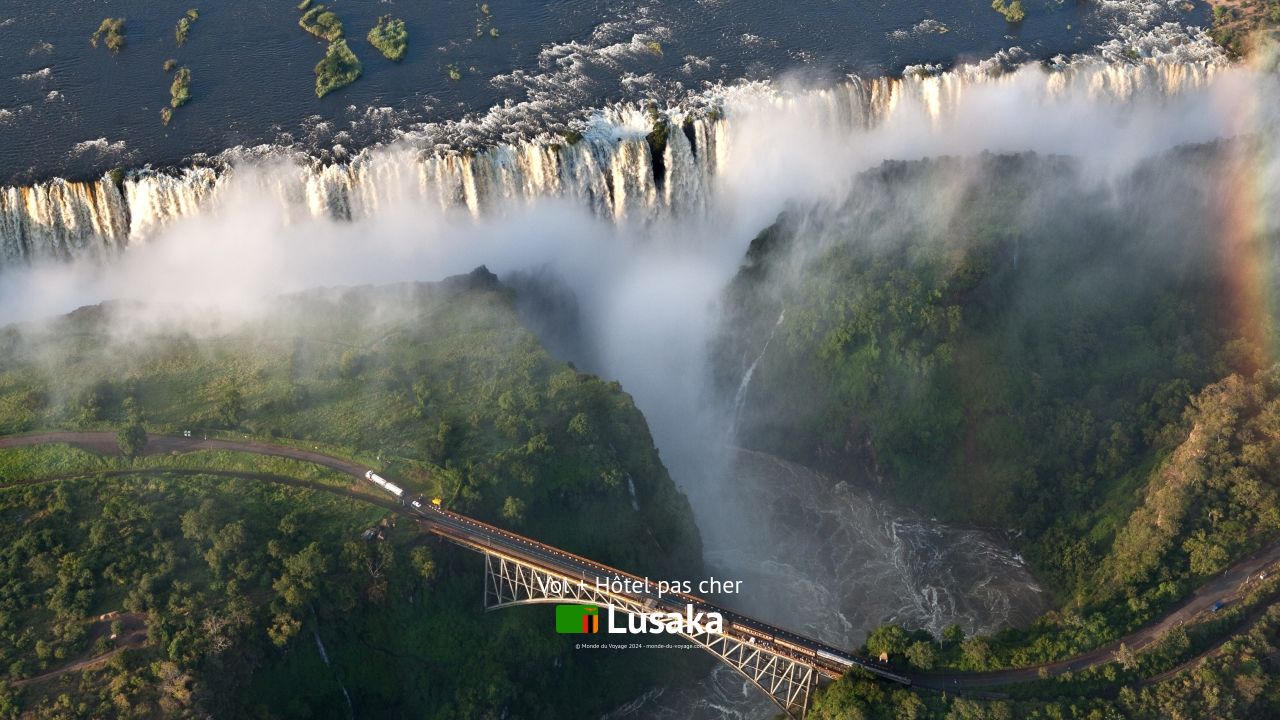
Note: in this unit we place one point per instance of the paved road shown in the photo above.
(473, 533)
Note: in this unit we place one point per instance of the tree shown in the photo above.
(1126, 657)
(580, 427)
(953, 634)
(423, 562)
(132, 439)
(890, 639)
(922, 654)
(513, 510)
(349, 364)
(301, 578)
(977, 653)
(94, 403)
(283, 628)
(231, 407)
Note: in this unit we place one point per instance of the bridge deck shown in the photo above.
(477, 535)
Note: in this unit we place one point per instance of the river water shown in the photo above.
(830, 560)
(67, 108)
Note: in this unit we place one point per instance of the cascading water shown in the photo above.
(324, 655)
(832, 561)
(611, 169)
(740, 398)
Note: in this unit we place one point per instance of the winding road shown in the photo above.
(1225, 587)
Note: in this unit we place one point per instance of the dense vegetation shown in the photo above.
(322, 23)
(390, 37)
(182, 30)
(226, 587)
(1012, 11)
(1004, 342)
(1239, 26)
(1239, 681)
(180, 88)
(111, 32)
(337, 69)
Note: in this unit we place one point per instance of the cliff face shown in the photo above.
(1001, 339)
(1214, 497)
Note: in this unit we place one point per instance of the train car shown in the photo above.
(834, 658)
(381, 482)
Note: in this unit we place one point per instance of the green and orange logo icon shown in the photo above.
(577, 619)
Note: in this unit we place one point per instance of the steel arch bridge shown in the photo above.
(786, 680)
(522, 571)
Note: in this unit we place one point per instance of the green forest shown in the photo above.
(162, 591)
(1006, 343)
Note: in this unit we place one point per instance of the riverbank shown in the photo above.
(1237, 24)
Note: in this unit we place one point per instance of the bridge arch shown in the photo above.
(510, 582)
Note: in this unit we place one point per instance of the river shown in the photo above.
(68, 108)
(831, 560)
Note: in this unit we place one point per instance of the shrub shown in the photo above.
(321, 23)
(390, 37)
(132, 439)
(111, 32)
(1012, 12)
(183, 28)
(180, 90)
(339, 68)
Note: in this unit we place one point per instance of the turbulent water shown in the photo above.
(614, 170)
(831, 561)
(69, 108)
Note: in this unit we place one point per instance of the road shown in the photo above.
(473, 534)
(478, 535)
(1223, 587)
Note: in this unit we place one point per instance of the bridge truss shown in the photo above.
(788, 681)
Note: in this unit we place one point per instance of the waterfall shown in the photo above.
(351, 711)
(610, 169)
(631, 488)
(740, 398)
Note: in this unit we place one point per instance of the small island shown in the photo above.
(1012, 11)
(390, 37)
(180, 90)
(322, 23)
(183, 28)
(339, 68)
(111, 32)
